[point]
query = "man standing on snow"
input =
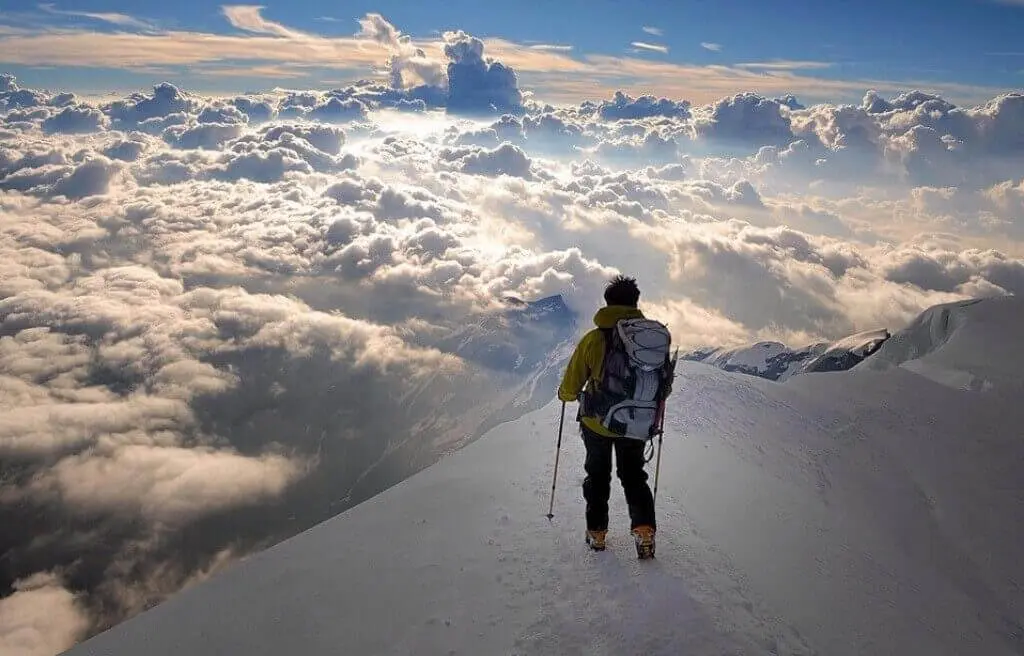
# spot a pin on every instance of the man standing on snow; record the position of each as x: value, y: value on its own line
x: 605, y: 378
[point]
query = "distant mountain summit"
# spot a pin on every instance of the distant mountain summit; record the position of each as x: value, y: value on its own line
x: 776, y: 361
x: 554, y: 302
x: 514, y: 339
x: 550, y: 311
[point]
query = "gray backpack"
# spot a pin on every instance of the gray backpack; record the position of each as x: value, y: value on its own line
x: 635, y: 377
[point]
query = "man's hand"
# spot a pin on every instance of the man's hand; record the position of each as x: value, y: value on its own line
x: 575, y: 377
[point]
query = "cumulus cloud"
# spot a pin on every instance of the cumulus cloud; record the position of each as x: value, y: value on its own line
x: 73, y: 181
x: 650, y: 146
x: 506, y: 159
x: 713, y: 47
x: 947, y: 271
x: 693, y: 326
x: 622, y: 106
x: 408, y: 65
x: 203, y: 135
x: 477, y: 84
x: 747, y: 118
x: 469, y: 83
x: 222, y: 114
x: 137, y: 109
x: 74, y: 119
x: 256, y: 110
x: 40, y: 618
x: 769, y: 278
x: 165, y: 484
x: 126, y: 150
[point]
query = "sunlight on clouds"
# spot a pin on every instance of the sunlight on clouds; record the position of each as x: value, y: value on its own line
x: 421, y: 125
x: 693, y: 326
x: 279, y: 48
x: 40, y: 618
x: 169, y: 485
x: 250, y: 19
x: 223, y: 307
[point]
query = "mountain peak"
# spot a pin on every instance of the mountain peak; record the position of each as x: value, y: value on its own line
x: 551, y: 303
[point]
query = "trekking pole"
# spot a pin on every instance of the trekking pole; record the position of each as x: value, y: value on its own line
x: 558, y: 452
x: 661, y: 426
x: 661, y: 432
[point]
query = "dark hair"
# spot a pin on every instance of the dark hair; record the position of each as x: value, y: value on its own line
x: 622, y: 290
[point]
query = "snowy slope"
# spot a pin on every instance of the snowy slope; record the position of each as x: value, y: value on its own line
x: 846, y: 353
x: 865, y: 512
x: 971, y: 345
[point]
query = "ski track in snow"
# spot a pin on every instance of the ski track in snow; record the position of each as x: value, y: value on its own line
x: 856, y: 513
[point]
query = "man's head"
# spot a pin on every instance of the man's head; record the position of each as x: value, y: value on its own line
x: 622, y: 290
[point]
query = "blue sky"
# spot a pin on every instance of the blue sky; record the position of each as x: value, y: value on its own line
x: 968, y: 50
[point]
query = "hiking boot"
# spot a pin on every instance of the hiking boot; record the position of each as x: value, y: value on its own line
x: 595, y: 539
x: 644, y: 537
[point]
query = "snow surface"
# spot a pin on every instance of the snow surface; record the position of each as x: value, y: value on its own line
x: 969, y: 345
x: 873, y: 511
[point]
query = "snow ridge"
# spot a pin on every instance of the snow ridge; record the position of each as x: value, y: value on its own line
x: 970, y: 345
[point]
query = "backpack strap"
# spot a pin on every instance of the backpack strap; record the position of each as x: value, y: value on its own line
x: 609, y: 337
x: 594, y: 400
x: 611, y: 341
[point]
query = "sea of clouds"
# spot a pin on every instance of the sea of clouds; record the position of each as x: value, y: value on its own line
x: 201, y: 296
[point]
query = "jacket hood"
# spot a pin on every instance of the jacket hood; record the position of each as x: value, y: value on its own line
x: 609, y: 314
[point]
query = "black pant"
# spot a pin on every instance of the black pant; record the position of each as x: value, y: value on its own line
x: 629, y: 458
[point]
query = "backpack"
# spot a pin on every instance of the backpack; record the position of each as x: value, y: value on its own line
x: 635, y: 378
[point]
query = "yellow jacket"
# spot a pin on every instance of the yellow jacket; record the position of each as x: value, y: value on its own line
x: 586, y: 361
